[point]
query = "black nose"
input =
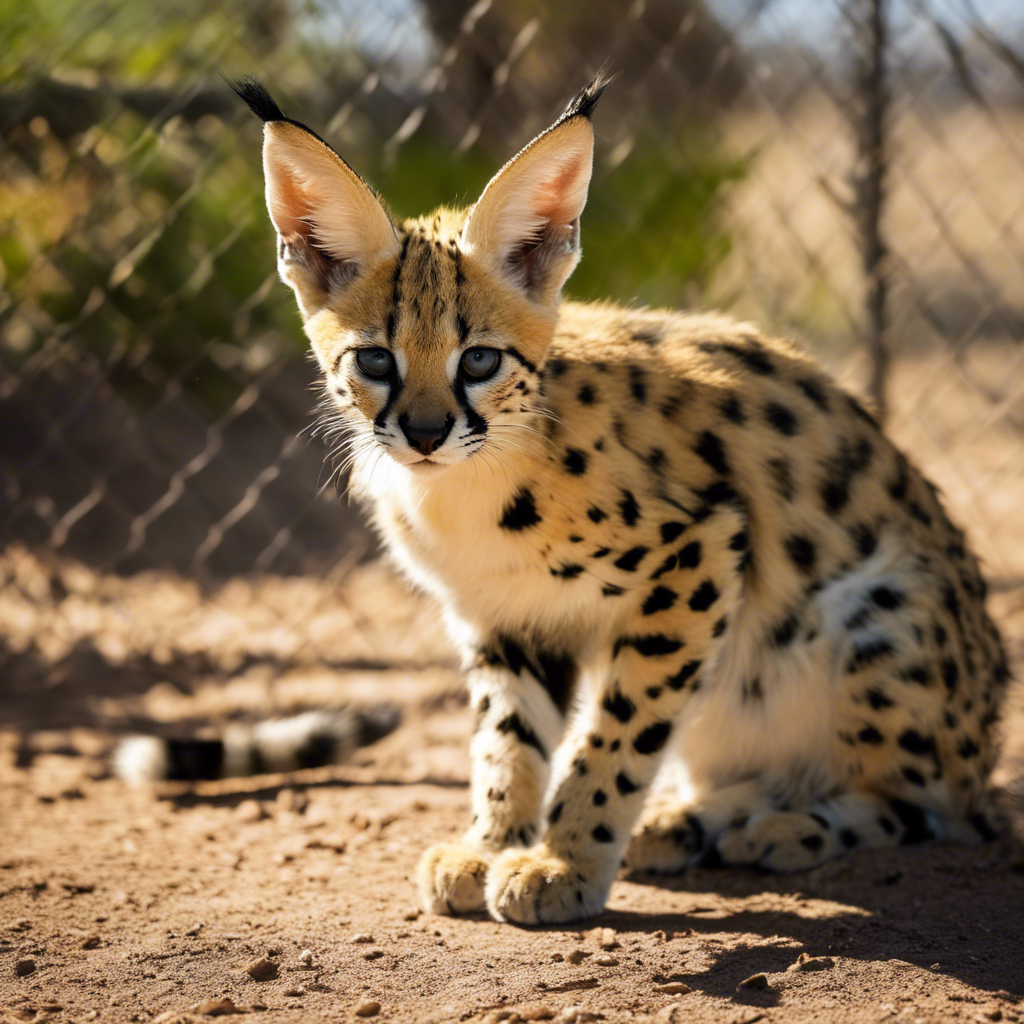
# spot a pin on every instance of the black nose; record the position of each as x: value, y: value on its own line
x: 426, y: 436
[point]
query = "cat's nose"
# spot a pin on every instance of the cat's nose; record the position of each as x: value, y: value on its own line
x: 425, y: 436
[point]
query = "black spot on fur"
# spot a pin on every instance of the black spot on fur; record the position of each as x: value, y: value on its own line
x: 704, y: 596
x: 629, y: 509
x: 732, y: 410
x: 637, y: 386
x: 814, y: 391
x: 624, y: 784
x: 864, y: 540
x: 603, y: 834
x: 710, y: 448
x: 916, y: 674
x: 754, y: 357
x: 968, y: 748
x: 886, y: 597
x: 595, y: 514
x: 653, y: 738
x: 652, y: 645
x: 841, y: 469
x: 690, y: 555
x: 669, y: 531
x: 950, y: 673
x: 812, y: 843
x: 600, y: 798
x: 914, y: 743
x: 868, y: 652
x: 575, y: 461
x: 683, y: 676
x: 719, y: 628
x: 647, y: 336
x: 739, y: 541
x: 610, y: 590
x: 514, y: 724
x: 631, y: 559
x: 586, y: 395
x: 869, y: 734
x: 878, y: 700
x: 660, y: 599
x: 618, y: 706
x: 802, y: 552
x: 848, y: 838
x: 555, y: 813
x: 567, y: 571
x: 781, y: 418
x: 782, y: 635
x: 521, y: 512
x: 913, y: 776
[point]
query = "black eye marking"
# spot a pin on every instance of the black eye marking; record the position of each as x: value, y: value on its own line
x: 375, y: 363
x: 480, y: 363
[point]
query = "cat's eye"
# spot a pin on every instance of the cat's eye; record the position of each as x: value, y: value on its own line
x: 481, y: 363
x: 375, y: 362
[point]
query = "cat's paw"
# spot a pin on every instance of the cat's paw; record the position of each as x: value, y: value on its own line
x: 451, y: 878
x: 668, y: 840
x: 537, y: 886
x: 778, y: 841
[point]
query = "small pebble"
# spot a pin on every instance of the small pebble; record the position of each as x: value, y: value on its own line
x: 362, y: 937
x: 374, y: 954
x: 249, y: 811
x: 577, y: 956
x: 91, y: 942
x: 195, y: 929
x: 294, y: 991
x: 262, y: 969
x: 673, y: 988
x: 306, y: 957
x: 606, y: 961
x: 607, y: 939
x: 217, y: 1008
x: 413, y: 915
x: 806, y: 962
x: 755, y: 981
x: 24, y: 967
x: 367, y: 1008
x: 557, y: 957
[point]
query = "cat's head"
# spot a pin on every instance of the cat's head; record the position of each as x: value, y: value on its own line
x: 430, y: 332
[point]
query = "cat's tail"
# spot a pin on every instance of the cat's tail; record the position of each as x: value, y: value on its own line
x: 307, y: 740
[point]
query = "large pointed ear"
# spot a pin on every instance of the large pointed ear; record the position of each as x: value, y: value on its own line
x: 526, y: 224
x: 329, y: 223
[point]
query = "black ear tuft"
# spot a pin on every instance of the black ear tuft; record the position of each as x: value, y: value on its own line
x: 583, y: 103
x: 260, y: 101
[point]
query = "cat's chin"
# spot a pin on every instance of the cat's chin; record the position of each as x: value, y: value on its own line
x: 426, y: 467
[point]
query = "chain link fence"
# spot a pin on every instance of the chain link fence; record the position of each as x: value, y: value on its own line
x: 848, y: 172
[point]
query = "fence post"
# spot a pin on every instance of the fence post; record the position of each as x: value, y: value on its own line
x: 870, y: 43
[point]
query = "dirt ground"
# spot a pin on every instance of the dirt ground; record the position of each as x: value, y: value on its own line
x: 137, y: 905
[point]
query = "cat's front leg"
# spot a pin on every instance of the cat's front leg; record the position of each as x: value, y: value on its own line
x: 617, y: 743
x: 519, y: 723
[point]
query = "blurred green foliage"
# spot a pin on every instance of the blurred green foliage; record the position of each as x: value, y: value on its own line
x: 147, y: 239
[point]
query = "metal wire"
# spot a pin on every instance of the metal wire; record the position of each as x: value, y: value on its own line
x: 879, y: 217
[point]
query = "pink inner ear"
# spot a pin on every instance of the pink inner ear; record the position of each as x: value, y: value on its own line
x: 556, y: 196
x: 291, y: 205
